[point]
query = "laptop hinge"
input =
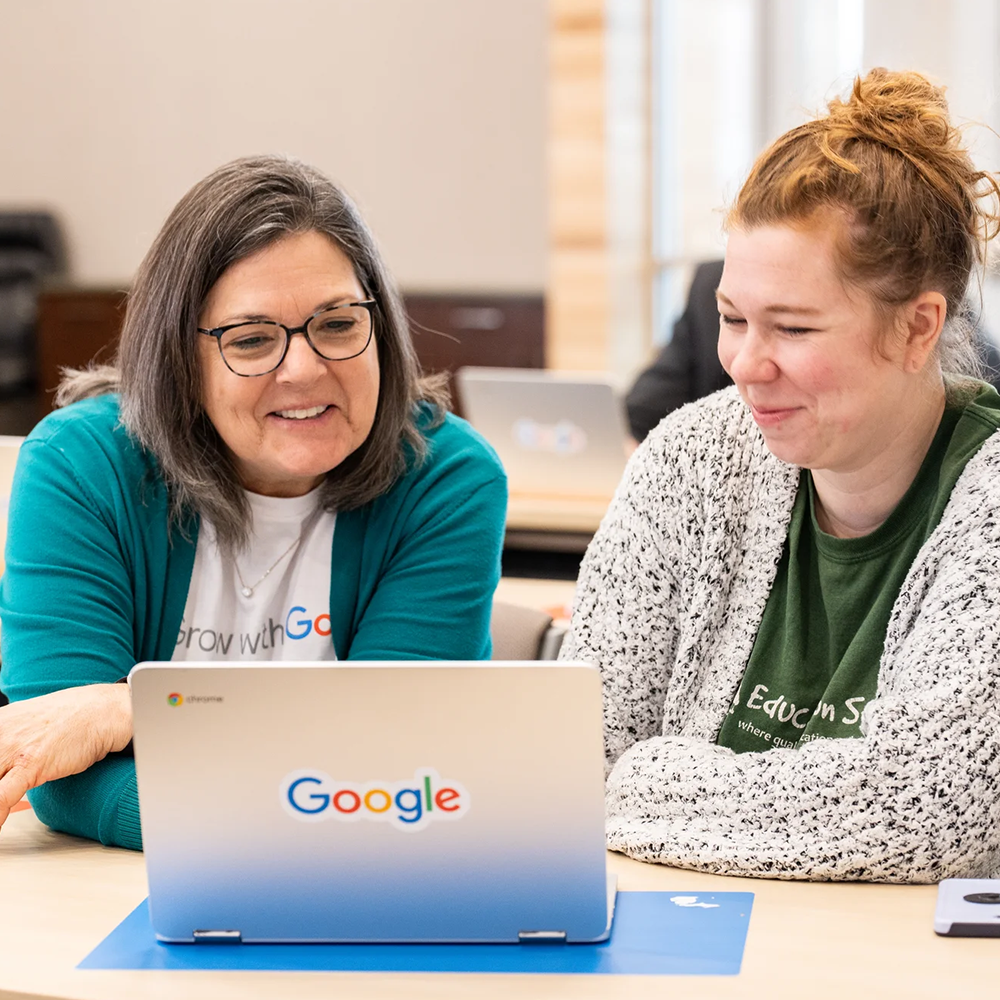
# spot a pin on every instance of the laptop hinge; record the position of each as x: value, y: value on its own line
x: 528, y: 937
x: 217, y: 937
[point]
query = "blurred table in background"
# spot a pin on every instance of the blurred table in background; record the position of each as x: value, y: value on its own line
x: 552, y: 596
x: 574, y: 518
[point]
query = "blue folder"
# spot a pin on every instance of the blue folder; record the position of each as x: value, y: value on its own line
x: 654, y: 934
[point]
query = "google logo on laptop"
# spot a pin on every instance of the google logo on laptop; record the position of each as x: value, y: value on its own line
x: 175, y: 699
x: 312, y: 796
x: 561, y: 438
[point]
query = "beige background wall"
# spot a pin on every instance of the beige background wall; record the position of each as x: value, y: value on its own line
x: 432, y: 113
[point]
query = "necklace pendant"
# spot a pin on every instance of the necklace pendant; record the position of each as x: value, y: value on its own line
x: 248, y: 591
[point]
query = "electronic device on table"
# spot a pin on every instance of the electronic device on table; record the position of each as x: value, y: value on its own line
x: 372, y: 802
x: 557, y: 433
x: 968, y: 907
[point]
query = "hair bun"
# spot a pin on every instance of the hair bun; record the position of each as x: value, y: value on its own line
x: 887, y: 160
x: 903, y: 111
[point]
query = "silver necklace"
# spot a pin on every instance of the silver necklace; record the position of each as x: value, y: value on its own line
x: 248, y: 591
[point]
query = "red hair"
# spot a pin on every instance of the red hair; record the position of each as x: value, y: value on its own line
x: 918, y: 213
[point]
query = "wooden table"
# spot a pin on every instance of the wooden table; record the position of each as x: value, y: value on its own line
x: 560, y: 524
x: 61, y: 896
x: 554, y: 513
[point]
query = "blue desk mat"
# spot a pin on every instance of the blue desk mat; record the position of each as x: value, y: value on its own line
x: 654, y: 934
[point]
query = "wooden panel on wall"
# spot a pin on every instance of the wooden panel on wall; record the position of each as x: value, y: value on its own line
x: 580, y: 310
x: 577, y: 293
x: 599, y: 198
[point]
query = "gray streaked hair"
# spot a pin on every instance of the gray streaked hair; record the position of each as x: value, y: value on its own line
x: 237, y: 210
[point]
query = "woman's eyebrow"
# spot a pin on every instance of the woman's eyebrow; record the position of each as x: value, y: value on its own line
x: 797, y: 310
x: 340, y: 300
x: 776, y: 308
x: 245, y: 318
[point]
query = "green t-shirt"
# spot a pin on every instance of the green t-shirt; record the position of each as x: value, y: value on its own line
x: 815, y: 661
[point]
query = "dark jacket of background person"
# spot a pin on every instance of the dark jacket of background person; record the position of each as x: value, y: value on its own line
x: 688, y: 367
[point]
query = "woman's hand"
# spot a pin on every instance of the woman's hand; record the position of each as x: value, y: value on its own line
x: 59, y: 734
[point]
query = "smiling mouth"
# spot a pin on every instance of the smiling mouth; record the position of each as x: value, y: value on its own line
x: 312, y: 411
x: 772, y: 416
x: 767, y: 410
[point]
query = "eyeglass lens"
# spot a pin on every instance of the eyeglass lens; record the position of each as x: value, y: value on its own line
x: 337, y: 334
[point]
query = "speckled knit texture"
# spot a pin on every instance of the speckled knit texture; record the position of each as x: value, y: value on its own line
x: 671, y: 594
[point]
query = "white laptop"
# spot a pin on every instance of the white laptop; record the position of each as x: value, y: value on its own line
x: 372, y: 802
x: 557, y: 433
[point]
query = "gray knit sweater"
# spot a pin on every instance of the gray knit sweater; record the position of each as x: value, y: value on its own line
x: 671, y: 594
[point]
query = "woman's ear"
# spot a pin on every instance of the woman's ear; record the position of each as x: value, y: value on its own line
x: 924, y: 317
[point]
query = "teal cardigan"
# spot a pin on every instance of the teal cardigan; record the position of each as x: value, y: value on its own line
x: 96, y: 580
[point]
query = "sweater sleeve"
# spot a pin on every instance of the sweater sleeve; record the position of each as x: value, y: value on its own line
x: 432, y: 592
x: 626, y: 598
x: 916, y: 799
x: 68, y: 620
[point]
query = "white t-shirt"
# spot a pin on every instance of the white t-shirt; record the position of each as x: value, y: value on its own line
x: 287, y: 614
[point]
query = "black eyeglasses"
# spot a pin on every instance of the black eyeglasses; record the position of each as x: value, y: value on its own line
x: 336, y: 334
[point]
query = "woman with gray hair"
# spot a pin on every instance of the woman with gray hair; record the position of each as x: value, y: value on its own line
x: 230, y: 490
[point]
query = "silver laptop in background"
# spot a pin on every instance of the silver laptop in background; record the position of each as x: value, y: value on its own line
x: 372, y: 802
x: 557, y: 433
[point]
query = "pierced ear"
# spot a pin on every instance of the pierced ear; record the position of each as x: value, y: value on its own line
x: 925, y: 316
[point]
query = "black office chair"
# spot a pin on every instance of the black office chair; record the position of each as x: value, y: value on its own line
x: 31, y: 251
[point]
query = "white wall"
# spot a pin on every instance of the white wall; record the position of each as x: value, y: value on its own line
x: 431, y: 113
x: 955, y: 42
